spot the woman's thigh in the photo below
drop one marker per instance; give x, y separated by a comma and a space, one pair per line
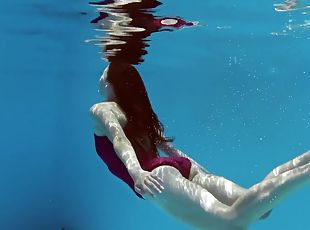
223, 189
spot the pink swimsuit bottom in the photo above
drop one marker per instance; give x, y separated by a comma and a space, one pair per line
106, 151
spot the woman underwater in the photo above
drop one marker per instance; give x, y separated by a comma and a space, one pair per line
128, 136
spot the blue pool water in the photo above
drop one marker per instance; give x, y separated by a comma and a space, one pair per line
234, 92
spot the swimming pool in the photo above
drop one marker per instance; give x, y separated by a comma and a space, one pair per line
234, 92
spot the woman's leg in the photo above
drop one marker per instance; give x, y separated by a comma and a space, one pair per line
296, 162
198, 207
227, 191
190, 202
263, 196
224, 190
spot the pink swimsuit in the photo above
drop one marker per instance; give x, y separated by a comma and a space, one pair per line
106, 151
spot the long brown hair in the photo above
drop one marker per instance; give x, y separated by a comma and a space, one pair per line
130, 94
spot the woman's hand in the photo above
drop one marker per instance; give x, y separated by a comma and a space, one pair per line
146, 183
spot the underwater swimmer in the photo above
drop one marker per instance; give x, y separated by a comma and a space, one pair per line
128, 136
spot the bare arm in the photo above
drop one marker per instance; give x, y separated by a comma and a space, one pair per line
110, 127
121, 144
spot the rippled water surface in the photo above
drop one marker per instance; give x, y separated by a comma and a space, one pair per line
233, 91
